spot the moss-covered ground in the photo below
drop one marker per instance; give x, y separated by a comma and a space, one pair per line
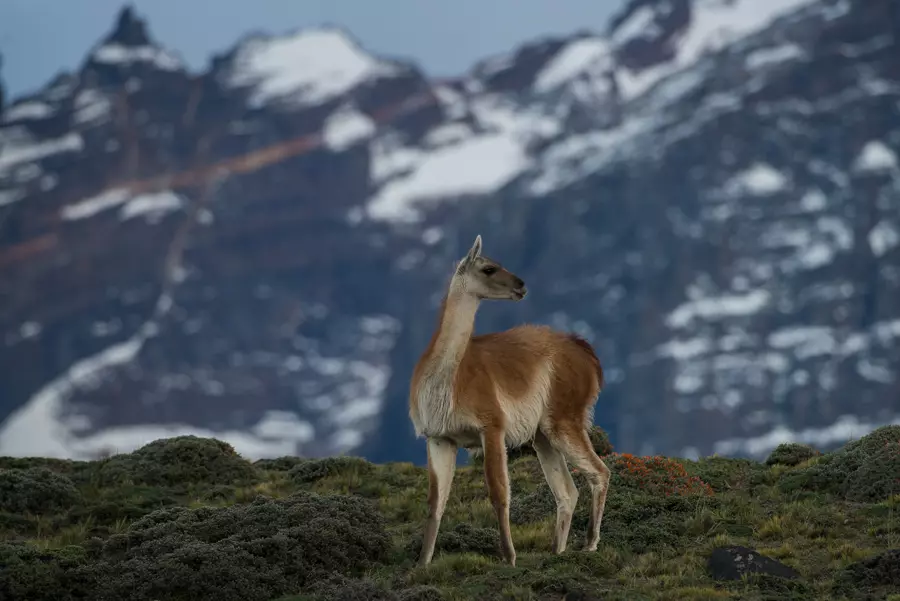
188, 519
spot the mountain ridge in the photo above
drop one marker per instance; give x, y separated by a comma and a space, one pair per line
187, 157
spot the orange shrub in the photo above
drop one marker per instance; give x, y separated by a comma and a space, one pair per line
656, 475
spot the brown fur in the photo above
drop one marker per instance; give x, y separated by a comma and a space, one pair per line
499, 390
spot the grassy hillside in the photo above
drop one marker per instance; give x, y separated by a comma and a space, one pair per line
188, 519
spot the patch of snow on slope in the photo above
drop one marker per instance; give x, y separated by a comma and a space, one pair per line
91, 105
805, 341
310, 67
883, 238
846, 428
19, 146
251, 445
35, 429
95, 204
347, 127
589, 54
10, 196
119, 54
478, 165
451, 133
152, 205
718, 307
768, 56
28, 110
642, 23
759, 180
875, 157
714, 24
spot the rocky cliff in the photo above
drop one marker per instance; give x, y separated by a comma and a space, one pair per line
708, 190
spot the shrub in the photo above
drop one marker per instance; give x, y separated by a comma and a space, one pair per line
279, 464
725, 473
878, 478
860, 470
316, 469
179, 460
30, 574
251, 552
462, 538
365, 589
791, 454
36, 490
655, 475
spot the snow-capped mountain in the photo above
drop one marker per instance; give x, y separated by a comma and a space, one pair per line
708, 190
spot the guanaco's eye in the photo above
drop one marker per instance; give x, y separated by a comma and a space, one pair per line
489, 270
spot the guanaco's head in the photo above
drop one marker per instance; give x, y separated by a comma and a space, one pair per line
485, 278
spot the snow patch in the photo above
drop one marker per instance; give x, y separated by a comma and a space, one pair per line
26, 111
152, 205
19, 146
91, 206
759, 180
714, 24
10, 196
641, 23
310, 67
590, 54
768, 56
846, 428
718, 307
477, 166
883, 237
346, 128
876, 157
91, 105
805, 341
119, 54
35, 429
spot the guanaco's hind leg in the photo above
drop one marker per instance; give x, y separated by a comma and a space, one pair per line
577, 447
497, 479
441, 466
561, 484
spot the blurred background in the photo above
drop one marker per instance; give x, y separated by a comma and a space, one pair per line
240, 223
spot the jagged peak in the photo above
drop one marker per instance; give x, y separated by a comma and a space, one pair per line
130, 29
130, 42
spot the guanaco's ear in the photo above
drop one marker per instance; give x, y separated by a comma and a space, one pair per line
475, 251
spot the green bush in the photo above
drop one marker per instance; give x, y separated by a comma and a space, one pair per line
251, 552
860, 470
461, 538
279, 464
791, 454
36, 490
364, 589
179, 460
876, 479
726, 473
30, 574
316, 469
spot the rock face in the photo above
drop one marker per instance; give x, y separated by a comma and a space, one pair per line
708, 191
732, 563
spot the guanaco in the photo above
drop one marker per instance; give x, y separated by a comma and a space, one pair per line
501, 390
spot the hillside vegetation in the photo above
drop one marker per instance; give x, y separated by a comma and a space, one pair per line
189, 519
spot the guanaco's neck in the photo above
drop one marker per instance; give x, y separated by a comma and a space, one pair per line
455, 326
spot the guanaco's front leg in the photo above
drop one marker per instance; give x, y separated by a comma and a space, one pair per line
497, 478
441, 466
